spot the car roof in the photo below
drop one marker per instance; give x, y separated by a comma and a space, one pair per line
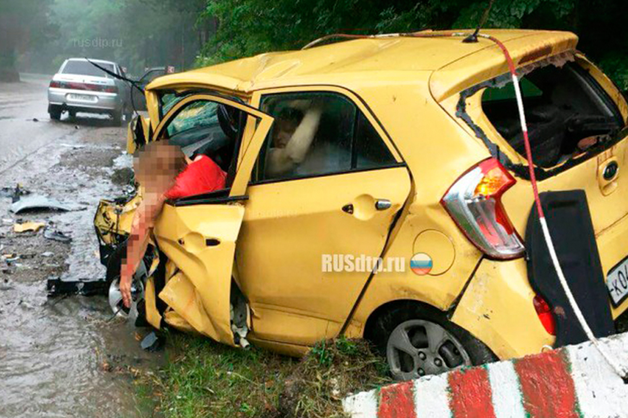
374, 56
93, 60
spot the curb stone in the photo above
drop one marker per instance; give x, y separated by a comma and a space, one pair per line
574, 381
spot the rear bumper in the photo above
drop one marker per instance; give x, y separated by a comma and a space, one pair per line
98, 101
497, 306
613, 247
497, 309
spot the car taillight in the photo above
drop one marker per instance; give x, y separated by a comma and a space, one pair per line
474, 203
544, 313
110, 89
55, 84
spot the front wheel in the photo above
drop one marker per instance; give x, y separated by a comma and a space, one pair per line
137, 287
418, 340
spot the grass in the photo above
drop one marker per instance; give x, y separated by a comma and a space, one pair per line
206, 379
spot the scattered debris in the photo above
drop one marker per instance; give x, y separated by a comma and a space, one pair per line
7, 221
28, 226
56, 236
122, 176
151, 342
37, 202
7, 263
56, 287
47, 254
10, 258
13, 192
35, 120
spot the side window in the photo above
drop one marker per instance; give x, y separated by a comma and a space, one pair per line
371, 152
317, 133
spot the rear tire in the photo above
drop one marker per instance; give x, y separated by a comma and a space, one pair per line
128, 113
419, 340
117, 117
55, 112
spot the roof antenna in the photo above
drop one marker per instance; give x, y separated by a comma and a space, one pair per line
474, 36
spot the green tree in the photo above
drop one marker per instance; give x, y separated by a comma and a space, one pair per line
248, 27
17, 34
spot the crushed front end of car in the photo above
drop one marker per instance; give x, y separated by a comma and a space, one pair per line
113, 223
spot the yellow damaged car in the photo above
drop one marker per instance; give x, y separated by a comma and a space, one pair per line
378, 188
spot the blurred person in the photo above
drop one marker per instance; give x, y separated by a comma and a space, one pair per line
295, 128
165, 173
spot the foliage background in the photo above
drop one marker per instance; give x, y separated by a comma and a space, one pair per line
188, 33
248, 27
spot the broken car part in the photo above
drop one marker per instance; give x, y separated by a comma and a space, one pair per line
618, 367
57, 287
38, 202
54, 235
152, 342
577, 251
14, 193
28, 226
114, 296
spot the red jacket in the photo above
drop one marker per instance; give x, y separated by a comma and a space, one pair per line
201, 176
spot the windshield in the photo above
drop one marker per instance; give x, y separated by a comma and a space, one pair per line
86, 68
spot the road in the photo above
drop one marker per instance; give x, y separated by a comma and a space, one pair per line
59, 357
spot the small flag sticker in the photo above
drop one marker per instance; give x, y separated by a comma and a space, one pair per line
421, 264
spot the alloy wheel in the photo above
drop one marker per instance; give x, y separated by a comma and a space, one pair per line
418, 347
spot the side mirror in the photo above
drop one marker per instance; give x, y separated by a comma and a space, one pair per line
139, 133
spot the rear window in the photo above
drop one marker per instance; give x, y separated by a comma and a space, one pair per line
86, 68
566, 110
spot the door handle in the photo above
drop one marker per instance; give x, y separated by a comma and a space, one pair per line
382, 204
212, 242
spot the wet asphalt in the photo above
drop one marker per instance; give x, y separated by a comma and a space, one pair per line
59, 357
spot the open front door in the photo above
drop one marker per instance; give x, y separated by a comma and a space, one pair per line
200, 241
198, 234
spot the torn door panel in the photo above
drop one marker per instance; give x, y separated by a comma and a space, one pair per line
203, 250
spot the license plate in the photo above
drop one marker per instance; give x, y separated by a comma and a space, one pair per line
617, 282
82, 97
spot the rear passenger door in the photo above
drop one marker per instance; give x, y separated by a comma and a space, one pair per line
340, 200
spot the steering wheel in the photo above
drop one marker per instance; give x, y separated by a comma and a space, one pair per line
227, 118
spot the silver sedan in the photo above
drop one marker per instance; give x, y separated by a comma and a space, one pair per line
79, 86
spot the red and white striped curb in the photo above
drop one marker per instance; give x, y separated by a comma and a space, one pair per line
574, 381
